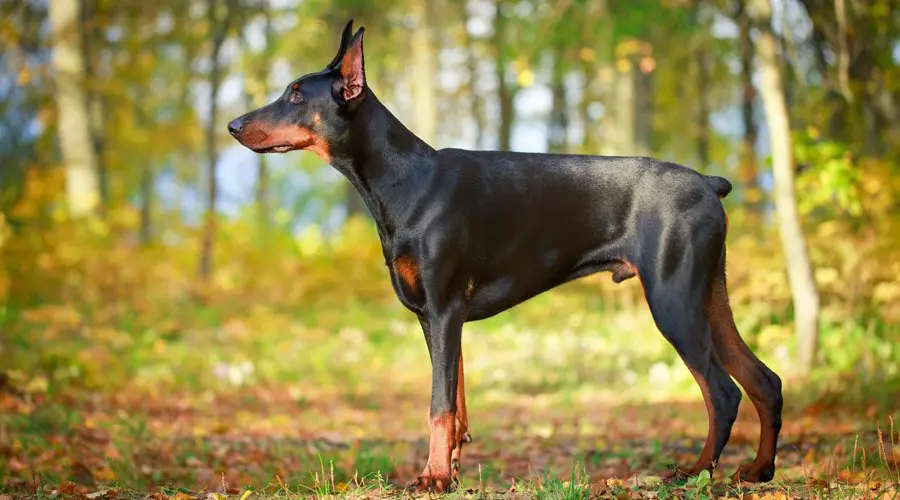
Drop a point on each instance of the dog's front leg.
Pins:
(462, 422)
(443, 334)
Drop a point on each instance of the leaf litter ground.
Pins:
(263, 441)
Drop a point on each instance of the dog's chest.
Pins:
(407, 282)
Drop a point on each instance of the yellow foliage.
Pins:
(623, 65)
(633, 46)
(5, 233)
(42, 188)
(310, 241)
(526, 77)
(5, 230)
(587, 54)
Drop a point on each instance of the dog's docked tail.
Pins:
(719, 184)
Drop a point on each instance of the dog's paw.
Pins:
(753, 473)
(679, 476)
(433, 483)
(675, 476)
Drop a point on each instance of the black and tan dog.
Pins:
(468, 234)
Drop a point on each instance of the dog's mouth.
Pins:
(278, 148)
(263, 138)
(266, 140)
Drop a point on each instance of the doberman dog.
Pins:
(469, 234)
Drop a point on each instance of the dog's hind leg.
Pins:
(677, 305)
(761, 384)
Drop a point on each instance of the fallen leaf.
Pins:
(105, 475)
(81, 474)
(67, 488)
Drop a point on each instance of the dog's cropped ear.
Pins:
(353, 70)
(345, 41)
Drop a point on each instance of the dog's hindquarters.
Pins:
(762, 385)
(682, 269)
(675, 267)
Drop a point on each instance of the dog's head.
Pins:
(313, 110)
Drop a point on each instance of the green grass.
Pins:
(552, 487)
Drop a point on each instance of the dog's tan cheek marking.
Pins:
(291, 134)
(300, 138)
(315, 143)
(320, 148)
(317, 118)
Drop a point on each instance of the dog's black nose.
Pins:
(235, 126)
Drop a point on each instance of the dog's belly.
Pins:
(495, 297)
(502, 293)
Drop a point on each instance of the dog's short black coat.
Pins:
(469, 234)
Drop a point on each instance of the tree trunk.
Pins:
(98, 136)
(643, 113)
(507, 115)
(702, 63)
(618, 122)
(843, 53)
(505, 93)
(146, 202)
(262, 63)
(588, 141)
(799, 267)
(594, 21)
(94, 43)
(703, 87)
(262, 191)
(219, 30)
(747, 168)
(74, 131)
(629, 124)
(559, 116)
(424, 63)
(476, 104)
(860, 46)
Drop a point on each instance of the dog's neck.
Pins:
(381, 158)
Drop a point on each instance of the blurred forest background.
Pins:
(151, 266)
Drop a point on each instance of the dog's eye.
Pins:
(296, 97)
